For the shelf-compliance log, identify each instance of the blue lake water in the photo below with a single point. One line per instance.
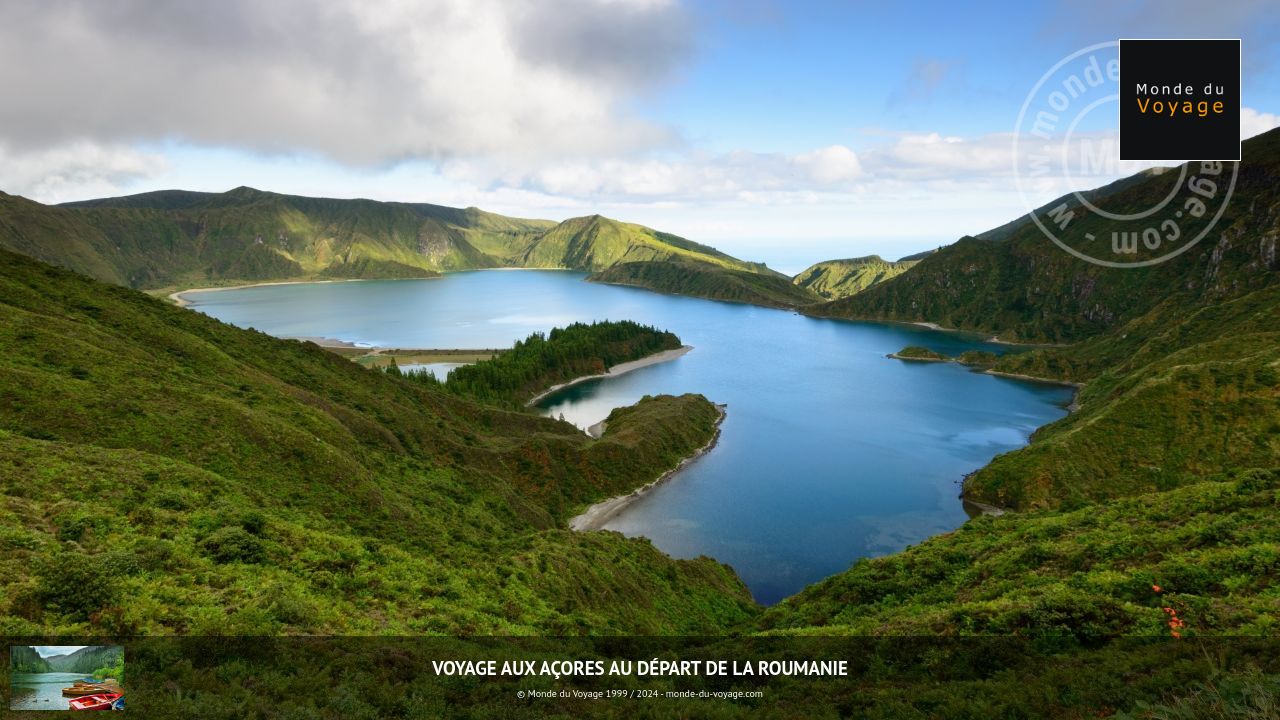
(40, 691)
(830, 451)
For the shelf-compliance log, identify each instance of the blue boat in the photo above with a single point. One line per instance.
(118, 704)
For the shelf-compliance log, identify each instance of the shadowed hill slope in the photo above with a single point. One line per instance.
(164, 472)
(1025, 288)
(713, 282)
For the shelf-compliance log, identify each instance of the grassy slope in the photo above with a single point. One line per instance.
(1025, 288)
(832, 279)
(1179, 360)
(1212, 547)
(178, 238)
(1174, 396)
(217, 480)
(705, 280)
(595, 243)
(1167, 474)
(126, 246)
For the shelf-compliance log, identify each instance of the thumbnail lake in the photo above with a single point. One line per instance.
(40, 691)
(830, 451)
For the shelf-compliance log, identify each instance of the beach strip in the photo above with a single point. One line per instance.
(616, 370)
(595, 517)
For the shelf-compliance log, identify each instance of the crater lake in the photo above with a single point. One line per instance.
(829, 452)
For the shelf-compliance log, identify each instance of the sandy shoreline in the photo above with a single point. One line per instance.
(594, 517)
(177, 297)
(1073, 406)
(1033, 378)
(180, 301)
(989, 338)
(983, 508)
(616, 370)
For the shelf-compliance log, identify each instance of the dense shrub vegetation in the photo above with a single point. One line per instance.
(203, 479)
(543, 360)
(916, 352)
(163, 473)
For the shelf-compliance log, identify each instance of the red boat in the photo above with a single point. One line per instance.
(101, 701)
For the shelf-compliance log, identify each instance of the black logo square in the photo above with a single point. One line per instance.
(1179, 99)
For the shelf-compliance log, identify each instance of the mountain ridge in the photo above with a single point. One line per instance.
(833, 279)
(1013, 282)
(182, 239)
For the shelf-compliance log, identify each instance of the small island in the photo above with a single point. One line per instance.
(919, 354)
(545, 362)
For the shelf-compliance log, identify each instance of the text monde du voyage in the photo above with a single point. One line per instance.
(1180, 99)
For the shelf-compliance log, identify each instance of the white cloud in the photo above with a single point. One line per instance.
(1253, 122)
(829, 165)
(364, 83)
(75, 170)
(692, 177)
(932, 156)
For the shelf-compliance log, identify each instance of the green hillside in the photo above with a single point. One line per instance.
(1085, 574)
(1024, 288)
(833, 279)
(1182, 378)
(25, 659)
(166, 473)
(1136, 608)
(177, 238)
(1172, 397)
(87, 659)
(595, 243)
(706, 280)
(1165, 477)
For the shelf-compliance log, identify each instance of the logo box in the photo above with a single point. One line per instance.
(1180, 100)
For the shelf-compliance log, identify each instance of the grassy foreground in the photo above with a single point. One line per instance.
(165, 473)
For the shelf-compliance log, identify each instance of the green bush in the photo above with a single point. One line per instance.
(543, 360)
(17, 538)
(233, 544)
(75, 584)
(153, 553)
(74, 526)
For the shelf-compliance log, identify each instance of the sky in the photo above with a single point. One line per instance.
(787, 132)
(46, 651)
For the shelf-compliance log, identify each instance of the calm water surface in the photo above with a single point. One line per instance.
(830, 451)
(40, 691)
